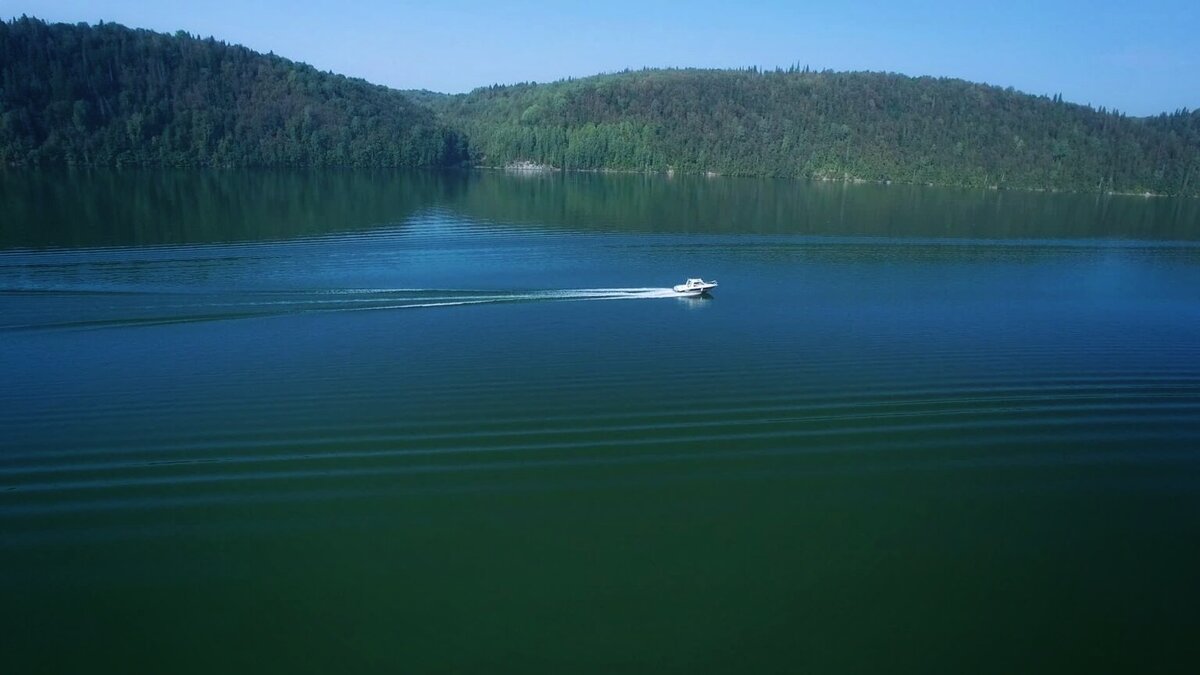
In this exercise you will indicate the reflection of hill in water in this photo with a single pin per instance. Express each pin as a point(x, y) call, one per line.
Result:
point(52, 208)
point(692, 204)
point(43, 208)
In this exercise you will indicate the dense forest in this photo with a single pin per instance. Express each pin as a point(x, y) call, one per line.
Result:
point(828, 125)
point(110, 95)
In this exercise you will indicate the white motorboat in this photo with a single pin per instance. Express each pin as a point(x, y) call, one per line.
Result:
point(695, 287)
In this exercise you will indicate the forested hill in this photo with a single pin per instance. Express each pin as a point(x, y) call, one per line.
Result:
point(868, 126)
point(110, 95)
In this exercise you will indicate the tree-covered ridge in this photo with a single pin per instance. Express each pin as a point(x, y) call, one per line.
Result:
point(798, 123)
point(110, 95)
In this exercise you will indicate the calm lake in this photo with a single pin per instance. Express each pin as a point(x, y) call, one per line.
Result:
point(420, 422)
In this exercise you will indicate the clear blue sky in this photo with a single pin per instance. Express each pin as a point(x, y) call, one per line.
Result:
point(1139, 57)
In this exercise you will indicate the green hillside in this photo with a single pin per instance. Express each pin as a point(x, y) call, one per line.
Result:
point(828, 125)
point(110, 95)
point(107, 95)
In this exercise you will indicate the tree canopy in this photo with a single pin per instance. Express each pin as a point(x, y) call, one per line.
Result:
point(110, 95)
point(828, 125)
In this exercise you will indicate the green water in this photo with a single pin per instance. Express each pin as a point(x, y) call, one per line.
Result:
point(417, 422)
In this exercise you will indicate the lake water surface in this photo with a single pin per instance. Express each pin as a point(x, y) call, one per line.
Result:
point(416, 422)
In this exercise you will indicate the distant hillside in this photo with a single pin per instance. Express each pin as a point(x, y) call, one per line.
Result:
point(110, 95)
point(868, 126)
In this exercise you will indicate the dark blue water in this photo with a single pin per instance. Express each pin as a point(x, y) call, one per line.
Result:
point(416, 423)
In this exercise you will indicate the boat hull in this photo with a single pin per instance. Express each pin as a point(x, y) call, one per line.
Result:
point(694, 290)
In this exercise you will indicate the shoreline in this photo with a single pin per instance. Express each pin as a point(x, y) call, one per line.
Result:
point(533, 168)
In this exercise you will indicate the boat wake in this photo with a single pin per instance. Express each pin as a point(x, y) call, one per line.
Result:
point(44, 308)
point(413, 298)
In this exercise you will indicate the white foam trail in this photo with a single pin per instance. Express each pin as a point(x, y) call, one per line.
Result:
point(435, 298)
point(562, 295)
point(151, 308)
